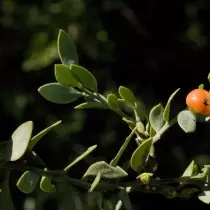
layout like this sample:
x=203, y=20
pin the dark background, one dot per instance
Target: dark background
x=152, y=46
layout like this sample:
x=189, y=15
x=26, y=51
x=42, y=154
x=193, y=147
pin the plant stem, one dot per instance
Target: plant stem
x=122, y=149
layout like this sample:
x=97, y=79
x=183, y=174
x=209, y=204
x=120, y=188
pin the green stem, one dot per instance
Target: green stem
x=122, y=149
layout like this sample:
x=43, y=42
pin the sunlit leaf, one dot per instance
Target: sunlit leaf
x=66, y=49
x=95, y=182
x=156, y=117
x=166, y=112
x=82, y=156
x=107, y=171
x=35, y=139
x=139, y=157
x=27, y=182
x=20, y=140
x=58, y=93
x=46, y=185
x=127, y=95
x=187, y=121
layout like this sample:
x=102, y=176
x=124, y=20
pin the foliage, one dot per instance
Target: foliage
x=101, y=178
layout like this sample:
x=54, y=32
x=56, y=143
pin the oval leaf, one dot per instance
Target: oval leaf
x=38, y=136
x=66, y=49
x=187, y=121
x=82, y=156
x=107, y=171
x=64, y=76
x=156, y=117
x=140, y=155
x=88, y=105
x=46, y=185
x=127, y=95
x=95, y=182
x=27, y=182
x=20, y=140
x=113, y=103
x=166, y=112
x=58, y=93
x=84, y=77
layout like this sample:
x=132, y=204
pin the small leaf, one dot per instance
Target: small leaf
x=95, y=182
x=187, y=121
x=205, y=197
x=41, y=134
x=201, y=86
x=84, y=77
x=127, y=95
x=166, y=112
x=209, y=77
x=113, y=102
x=66, y=49
x=190, y=170
x=89, y=105
x=156, y=117
x=58, y=93
x=46, y=185
x=20, y=140
x=82, y=156
x=64, y=76
x=107, y=171
x=123, y=196
x=27, y=182
x=140, y=155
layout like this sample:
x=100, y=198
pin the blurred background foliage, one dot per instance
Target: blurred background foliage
x=152, y=46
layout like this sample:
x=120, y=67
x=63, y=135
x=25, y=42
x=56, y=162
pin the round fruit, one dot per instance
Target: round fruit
x=198, y=101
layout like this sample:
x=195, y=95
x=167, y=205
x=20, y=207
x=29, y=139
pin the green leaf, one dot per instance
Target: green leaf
x=20, y=140
x=191, y=170
x=82, y=156
x=27, y=182
x=123, y=196
x=107, y=205
x=166, y=112
x=107, y=171
x=84, y=77
x=5, y=195
x=156, y=117
x=139, y=157
x=58, y=93
x=88, y=105
x=187, y=121
x=127, y=95
x=66, y=49
x=64, y=76
x=95, y=182
x=201, y=86
x=46, y=185
x=113, y=103
x=93, y=200
x=209, y=77
x=205, y=197
x=41, y=134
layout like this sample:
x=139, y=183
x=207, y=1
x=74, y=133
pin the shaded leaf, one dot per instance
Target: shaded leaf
x=58, y=93
x=187, y=121
x=82, y=156
x=107, y=171
x=95, y=182
x=123, y=196
x=166, y=112
x=64, y=76
x=107, y=205
x=27, y=182
x=113, y=103
x=35, y=139
x=88, y=105
x=20, y=140
x=5, y=195
x=156, y=117
x=94, y=200
x=127, y=95
x=84, y=77
x=46, y=185
x=139, y=157
x=66, y=49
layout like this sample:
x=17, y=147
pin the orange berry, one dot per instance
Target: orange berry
x=198, y=101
